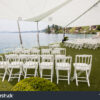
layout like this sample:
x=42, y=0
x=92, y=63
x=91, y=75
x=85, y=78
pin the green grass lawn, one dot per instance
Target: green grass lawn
x=63, y=85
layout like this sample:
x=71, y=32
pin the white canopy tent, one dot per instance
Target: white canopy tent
x=75, y=13
x=66, y=13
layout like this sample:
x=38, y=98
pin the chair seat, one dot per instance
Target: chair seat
x=30, y=65
x=81, y=66
x=46, y=65
x=63, y=66
x=15, y=65
x=3, y=64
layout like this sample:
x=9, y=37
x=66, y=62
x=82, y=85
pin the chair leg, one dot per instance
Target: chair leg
x=10, y=74
x=76, y=77
x=25, y=72
x=41, y=73
x=51, y=75
x=68, y=77
x=87, y=77
x=57, y=76
x=35, y=72
x=4, y=75
x=19, y=75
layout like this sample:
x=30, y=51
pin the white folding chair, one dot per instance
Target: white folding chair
x=14, y=63
x=23, y=57
x=3, y=66
x=63, y=63
x=45, y=51
x=47, y=63
x=31, y=63
x=62, y=50
x=26, y=52
x=18, y=51
x=55, y=52
x=10, y=56
x=82, y=64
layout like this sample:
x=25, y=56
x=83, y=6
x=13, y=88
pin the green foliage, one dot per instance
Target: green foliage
x=54, y=29
x=60, y=31
x=57, y=29
x=35, y=84
x=98, y=27
x=91, y=32
x=48, y=29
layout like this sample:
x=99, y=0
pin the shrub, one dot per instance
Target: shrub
x=65, y=38
x=35, y=84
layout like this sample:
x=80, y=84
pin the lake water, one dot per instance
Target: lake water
x=11, y=40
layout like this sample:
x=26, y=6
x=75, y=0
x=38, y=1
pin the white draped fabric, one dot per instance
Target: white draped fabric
x=12, y=9
x=76, y=13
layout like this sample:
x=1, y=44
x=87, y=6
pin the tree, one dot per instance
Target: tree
x=53, y=26
x=56, y=28
x=48, y=29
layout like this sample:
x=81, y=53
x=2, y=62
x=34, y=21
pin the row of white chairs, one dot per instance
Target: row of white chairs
x=56, y=45
x=83, y=43
x=82, y=64
x=34, y=50
x=37, y=51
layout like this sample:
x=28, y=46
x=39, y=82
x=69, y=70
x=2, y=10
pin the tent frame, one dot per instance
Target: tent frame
x=20, y=37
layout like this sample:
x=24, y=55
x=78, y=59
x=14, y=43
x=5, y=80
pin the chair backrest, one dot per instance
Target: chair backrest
x=26, y=52
x=12, y=57
x=55, y=52
x=62, y=50
x=87, y=59
x=62, y=59
x=47, y=58
x=45, y=51
x=34, y=58
x=57, y=45
x=18, y=51
x=35, y=51
x=23, y=57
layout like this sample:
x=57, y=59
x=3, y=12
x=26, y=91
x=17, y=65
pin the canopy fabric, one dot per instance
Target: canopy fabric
x=60, y=12
x=92, y=17
x=49, y=12
x=74, y=12
x=12, y=9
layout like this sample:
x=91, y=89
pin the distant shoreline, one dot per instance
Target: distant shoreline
x=25, y=32
x=18, y=32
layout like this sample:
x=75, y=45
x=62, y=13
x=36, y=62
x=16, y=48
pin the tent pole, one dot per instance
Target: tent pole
x=64, y=33
x=84, y=35
x=20, y=37
x=38, y=35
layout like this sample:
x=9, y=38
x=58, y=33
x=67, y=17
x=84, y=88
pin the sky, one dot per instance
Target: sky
x=11, y=25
